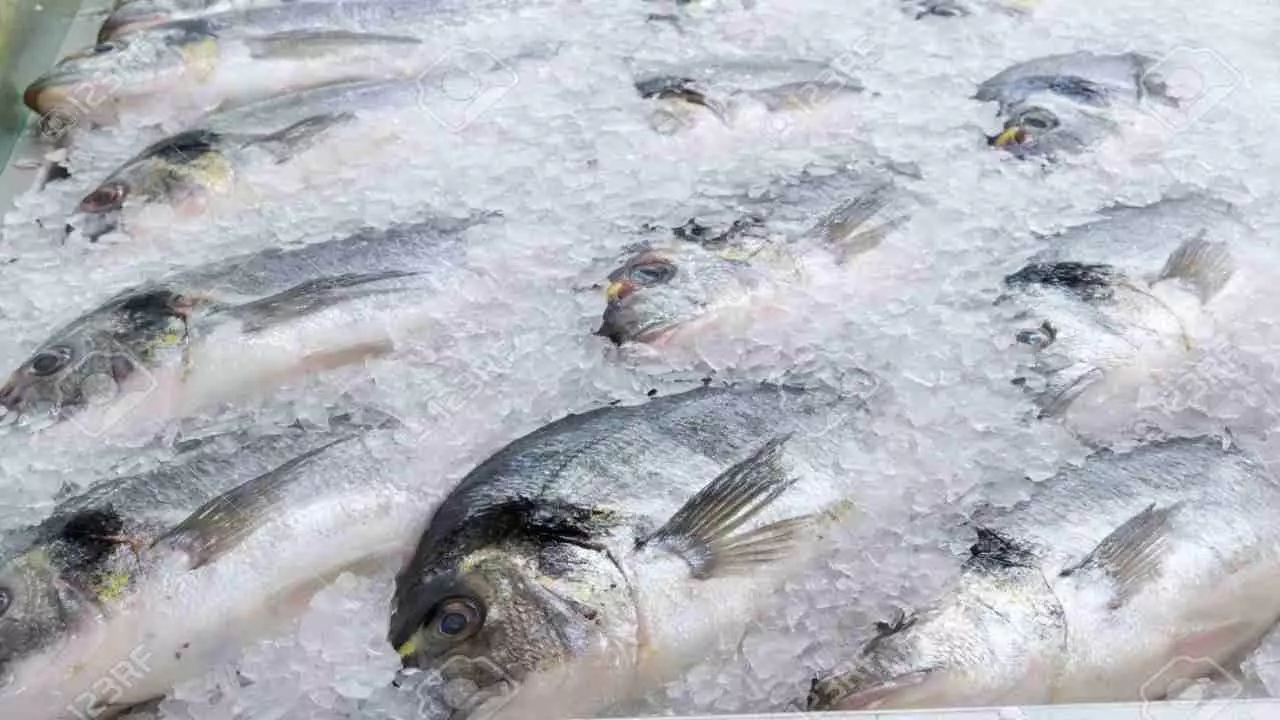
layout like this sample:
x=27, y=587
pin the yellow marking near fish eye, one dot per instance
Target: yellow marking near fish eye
x=112, y=586
x=614, y=290
x=1009, y=136
x=409, y=647
x=211, y=171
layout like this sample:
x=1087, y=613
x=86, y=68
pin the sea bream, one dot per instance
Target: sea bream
x=185, y=170
x=603, y=554
x=133, y=15
x=146, y=581
x=1118, y=580
x=1109, y=305
x=176, y=71
x=250, y=322
x=1068, y=103
x=725, y=262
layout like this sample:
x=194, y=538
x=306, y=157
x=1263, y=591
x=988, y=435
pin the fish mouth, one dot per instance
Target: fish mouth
x=1055, y=400
x=618, y=330
x=94, y=225
x=46, y=92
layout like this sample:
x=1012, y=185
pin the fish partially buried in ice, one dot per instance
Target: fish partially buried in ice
x=146, y=581
x=604, y=553
x=184, y=171
x=1111, y=303
x=133, y=15
x=1114, y=581
x=701, y=276
x=173, y=72
x=727, y=90
x=251, y=322
x=1068, y=103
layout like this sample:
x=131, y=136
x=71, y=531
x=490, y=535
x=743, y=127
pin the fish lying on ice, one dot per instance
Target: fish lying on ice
x=202, y=335
x=702, y=275
x=1068, y=103
x=602, y=554
x=146, y=581
x=1114, y=581
x=173, y=72
x=1113, y=302
x=134, y=15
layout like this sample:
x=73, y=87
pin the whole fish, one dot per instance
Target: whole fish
x=725, y=88
x=1067, y=103
x=134, y=15
x=669, y=287
x=254, y=321
x=963, y=8
x=185, y=68
x=1115, y=581
x=145, y=581
x=1112, y=301
x=606, y=552
x=183, y=170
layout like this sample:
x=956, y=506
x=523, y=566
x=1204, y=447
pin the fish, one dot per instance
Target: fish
x=174, y=72
x=145, y=581
x=134, y=15
x=1110, y=303
x=725, y=89
x=671, y=287
x=183, y=170
x=605, y=552
x=1066, y=104
x=202, y=335
x=920, y=9
x=1118, y=580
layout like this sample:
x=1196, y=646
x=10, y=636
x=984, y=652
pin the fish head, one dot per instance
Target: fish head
x=662, y=288
x=100, y=358
x=87, y=85
x=131, y=17
x=993, y=638
x=175, y=171
x=39, y=610
x=1047, y=125
x=1076, y=322
x=522, y=618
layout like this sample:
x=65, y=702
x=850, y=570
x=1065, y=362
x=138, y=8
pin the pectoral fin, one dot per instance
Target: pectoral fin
x=845, y=226
x=312, y=296
x=1131, y=555
x=1206, y=266
x=284, y=144
x=306, y=44
x=703, y=532
x=223, y=522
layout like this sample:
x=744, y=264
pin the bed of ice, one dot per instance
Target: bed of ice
x=570, y=158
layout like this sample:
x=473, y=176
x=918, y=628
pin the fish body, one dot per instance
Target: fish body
x=145, y=581
x=247, y=322
x=736, y=250
x=129, y=17
x=726, y=89
x=1068, y=103
x=1113, y=581
x=1109, y=304
x=179, y=70
x=605, y=552
x=183, y=170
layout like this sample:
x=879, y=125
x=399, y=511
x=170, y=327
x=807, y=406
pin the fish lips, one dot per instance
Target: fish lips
x=622, y=324
x=93, y=225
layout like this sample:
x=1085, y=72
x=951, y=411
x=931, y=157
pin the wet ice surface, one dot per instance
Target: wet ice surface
x=566, y=151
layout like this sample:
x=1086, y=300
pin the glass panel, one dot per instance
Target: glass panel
x=31, y=32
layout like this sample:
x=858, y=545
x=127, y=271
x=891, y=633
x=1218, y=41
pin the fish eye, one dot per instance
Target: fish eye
x=1040, y=337
x=651, y=273
x=4, y=601
x=106, y=197
x=457, y=618
x=50, y=361
x=1039, y=119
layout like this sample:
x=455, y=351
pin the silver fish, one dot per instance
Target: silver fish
x=185, y=68
x=1109, y=301
x=668, y=287
x=145, y=581
x=605, y=552
x=1067, y=103
x=135, y=15
x=247, y=322
x=1114, y=581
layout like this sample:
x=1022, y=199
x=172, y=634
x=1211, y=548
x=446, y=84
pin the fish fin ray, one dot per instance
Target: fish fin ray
x=302, y=44
x=225, y=521
x=312, y=296
x=1206, y=265
x=843, y=225
x=1131, y=555
x=703, y=531
x=284, y=144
